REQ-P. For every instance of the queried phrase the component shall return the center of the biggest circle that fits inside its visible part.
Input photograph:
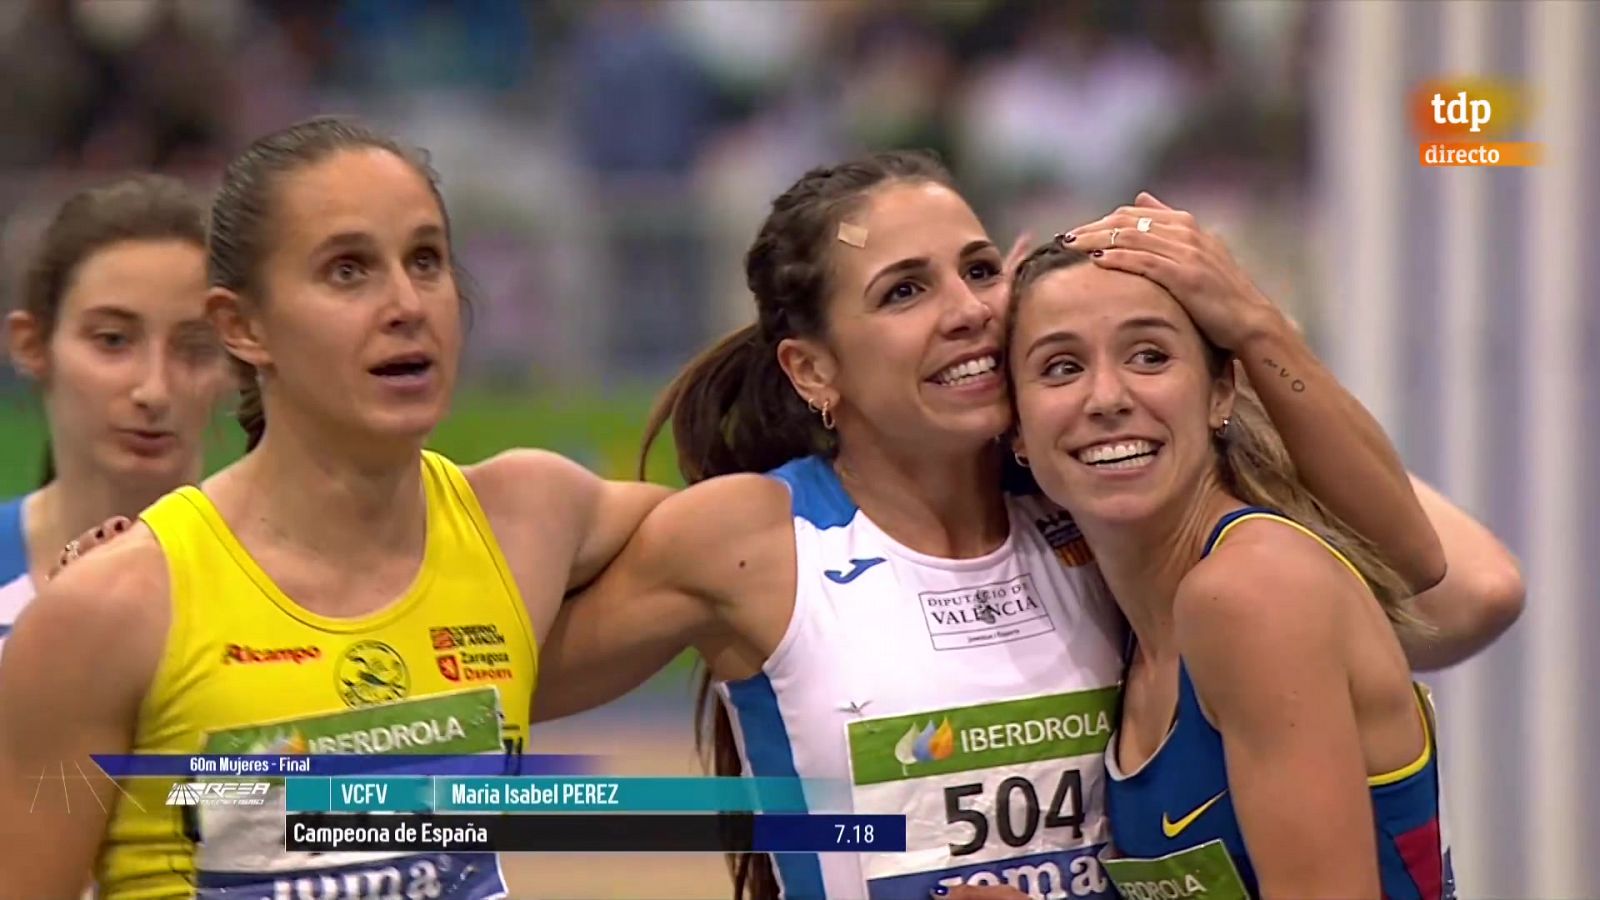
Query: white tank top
(931, 687)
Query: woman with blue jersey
(872, 606)
(112, 327)
(1271, 741)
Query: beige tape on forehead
(854, 235)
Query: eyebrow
(341, 240)
(114, 312)
(1133, 324)
(919, 262)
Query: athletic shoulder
(108, 613)
(520, 472)
(1265, 598)
(123, 584)
(1265, 572)
(537, 499)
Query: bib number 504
(1065, 811)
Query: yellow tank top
(448, 668)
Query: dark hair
(733, 409)
(241, 218)
(134, 208)
(1252, 459)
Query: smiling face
(1117, 394)
(359, 323)
(913, 320)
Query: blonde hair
(1252, 460)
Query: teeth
(1123, 455)
(972, 368)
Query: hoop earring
(825, 410)
(1021, 460)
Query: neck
(308, 492)
(1144, 561)
(79, 498)
(950, 507)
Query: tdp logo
(1466, 122)
(218, 793)
(1460, 110)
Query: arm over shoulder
(1480, 597)
(684, 579)
(561, 504)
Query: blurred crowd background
(606, 164)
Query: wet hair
(1252, 460)
(242, 219)
(733, 409)
(135, 208)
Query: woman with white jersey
(112, 327)
(876, 608)
(323, 585)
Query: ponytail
(752, 873)
(733, 409)
(1256, 468)
(252, 415)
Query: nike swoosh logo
(859, 566)
(1173, 829)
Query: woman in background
(112, 327)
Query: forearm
(1480, 597)
(1341, 452)
(583, 668)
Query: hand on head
(1169, 247)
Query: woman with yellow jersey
(336, 582)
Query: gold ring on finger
(1114, 236)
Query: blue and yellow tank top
(1173, 823)
(448, 668)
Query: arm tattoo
(1296, 385)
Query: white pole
(1556, 856)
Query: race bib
(240, 853)
(1206, 871)
(1001, 793)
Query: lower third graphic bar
(599, 833)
